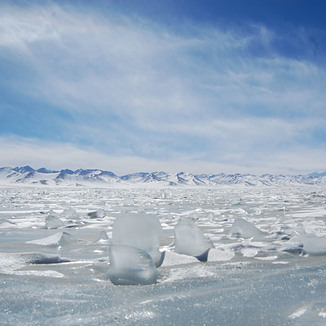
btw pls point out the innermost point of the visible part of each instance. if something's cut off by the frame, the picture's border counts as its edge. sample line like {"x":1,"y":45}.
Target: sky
{"x":198,"y":86}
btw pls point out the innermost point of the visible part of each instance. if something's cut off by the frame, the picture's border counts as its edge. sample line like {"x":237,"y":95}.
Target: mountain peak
{"x":24,"y":169}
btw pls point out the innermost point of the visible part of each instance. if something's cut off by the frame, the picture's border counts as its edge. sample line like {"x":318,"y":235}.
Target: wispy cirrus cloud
{"x":129,"y":87}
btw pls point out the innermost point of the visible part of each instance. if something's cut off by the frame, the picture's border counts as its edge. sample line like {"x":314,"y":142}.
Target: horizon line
{"x":157,"y":171}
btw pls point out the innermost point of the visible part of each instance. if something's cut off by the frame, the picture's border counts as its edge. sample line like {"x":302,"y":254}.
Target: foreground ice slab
{"x":131,"y":266}
{"x":244,"y":229}
{"x":140,"y":231}
{"x":189,"y":240}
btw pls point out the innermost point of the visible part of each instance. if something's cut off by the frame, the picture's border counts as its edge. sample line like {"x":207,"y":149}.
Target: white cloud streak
{"x":137,"y":89}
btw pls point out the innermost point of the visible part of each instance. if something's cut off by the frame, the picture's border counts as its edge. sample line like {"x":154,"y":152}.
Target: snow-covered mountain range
{"x":29,"y":176}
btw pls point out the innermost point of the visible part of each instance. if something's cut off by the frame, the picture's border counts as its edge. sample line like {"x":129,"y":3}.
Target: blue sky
{"x":189,"y":85}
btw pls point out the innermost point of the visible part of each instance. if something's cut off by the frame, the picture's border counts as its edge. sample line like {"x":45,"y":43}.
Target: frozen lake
{"x":268,"y":266}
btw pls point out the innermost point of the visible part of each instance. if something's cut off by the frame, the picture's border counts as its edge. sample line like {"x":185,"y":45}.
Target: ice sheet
{"x":59,"y":273}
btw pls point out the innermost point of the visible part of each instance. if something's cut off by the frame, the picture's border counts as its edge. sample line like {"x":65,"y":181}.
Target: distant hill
{"x":95,"y":177}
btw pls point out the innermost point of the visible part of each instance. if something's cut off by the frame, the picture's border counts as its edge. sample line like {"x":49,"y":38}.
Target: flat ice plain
{"x":54,"y":257}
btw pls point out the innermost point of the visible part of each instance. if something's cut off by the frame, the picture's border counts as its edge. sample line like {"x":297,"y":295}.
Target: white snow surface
{"x":63,"y":250}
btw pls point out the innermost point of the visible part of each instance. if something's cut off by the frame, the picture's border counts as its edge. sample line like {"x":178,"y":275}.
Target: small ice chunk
{"x":294,"y":246}
{"x":173,"y":258}
{"x":189,"y":240}
{"x":3,"y":220}
{"x":128,"y":202}
{"x":54,"y":240}
{"x":38,"y":258}
{"x":107,"y":206}
{"x":70,"y":213}
{"x":4,"y":223}
{"x":53,"y":222}
{"x":141,"y":231}
{"x":219,"y":255}
{"x":244,"y":229}
{"x":267,"y":258}
{"x":131,"y":266}
{"x":38,"y":273}
{"x":322,"y":314}
{"x":97,"y":214}
{"x":298,"y":313}
{"x":163,"y":194}
{"x":103,"y":239}
{"x":10,"y":262}
{"x":92,"y":214}
{"x":312,"y":245}
{"x":249,"y":252}
{"x":100,"y":213}
{"x":211,"y":217}
{"x":141,"y":209}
